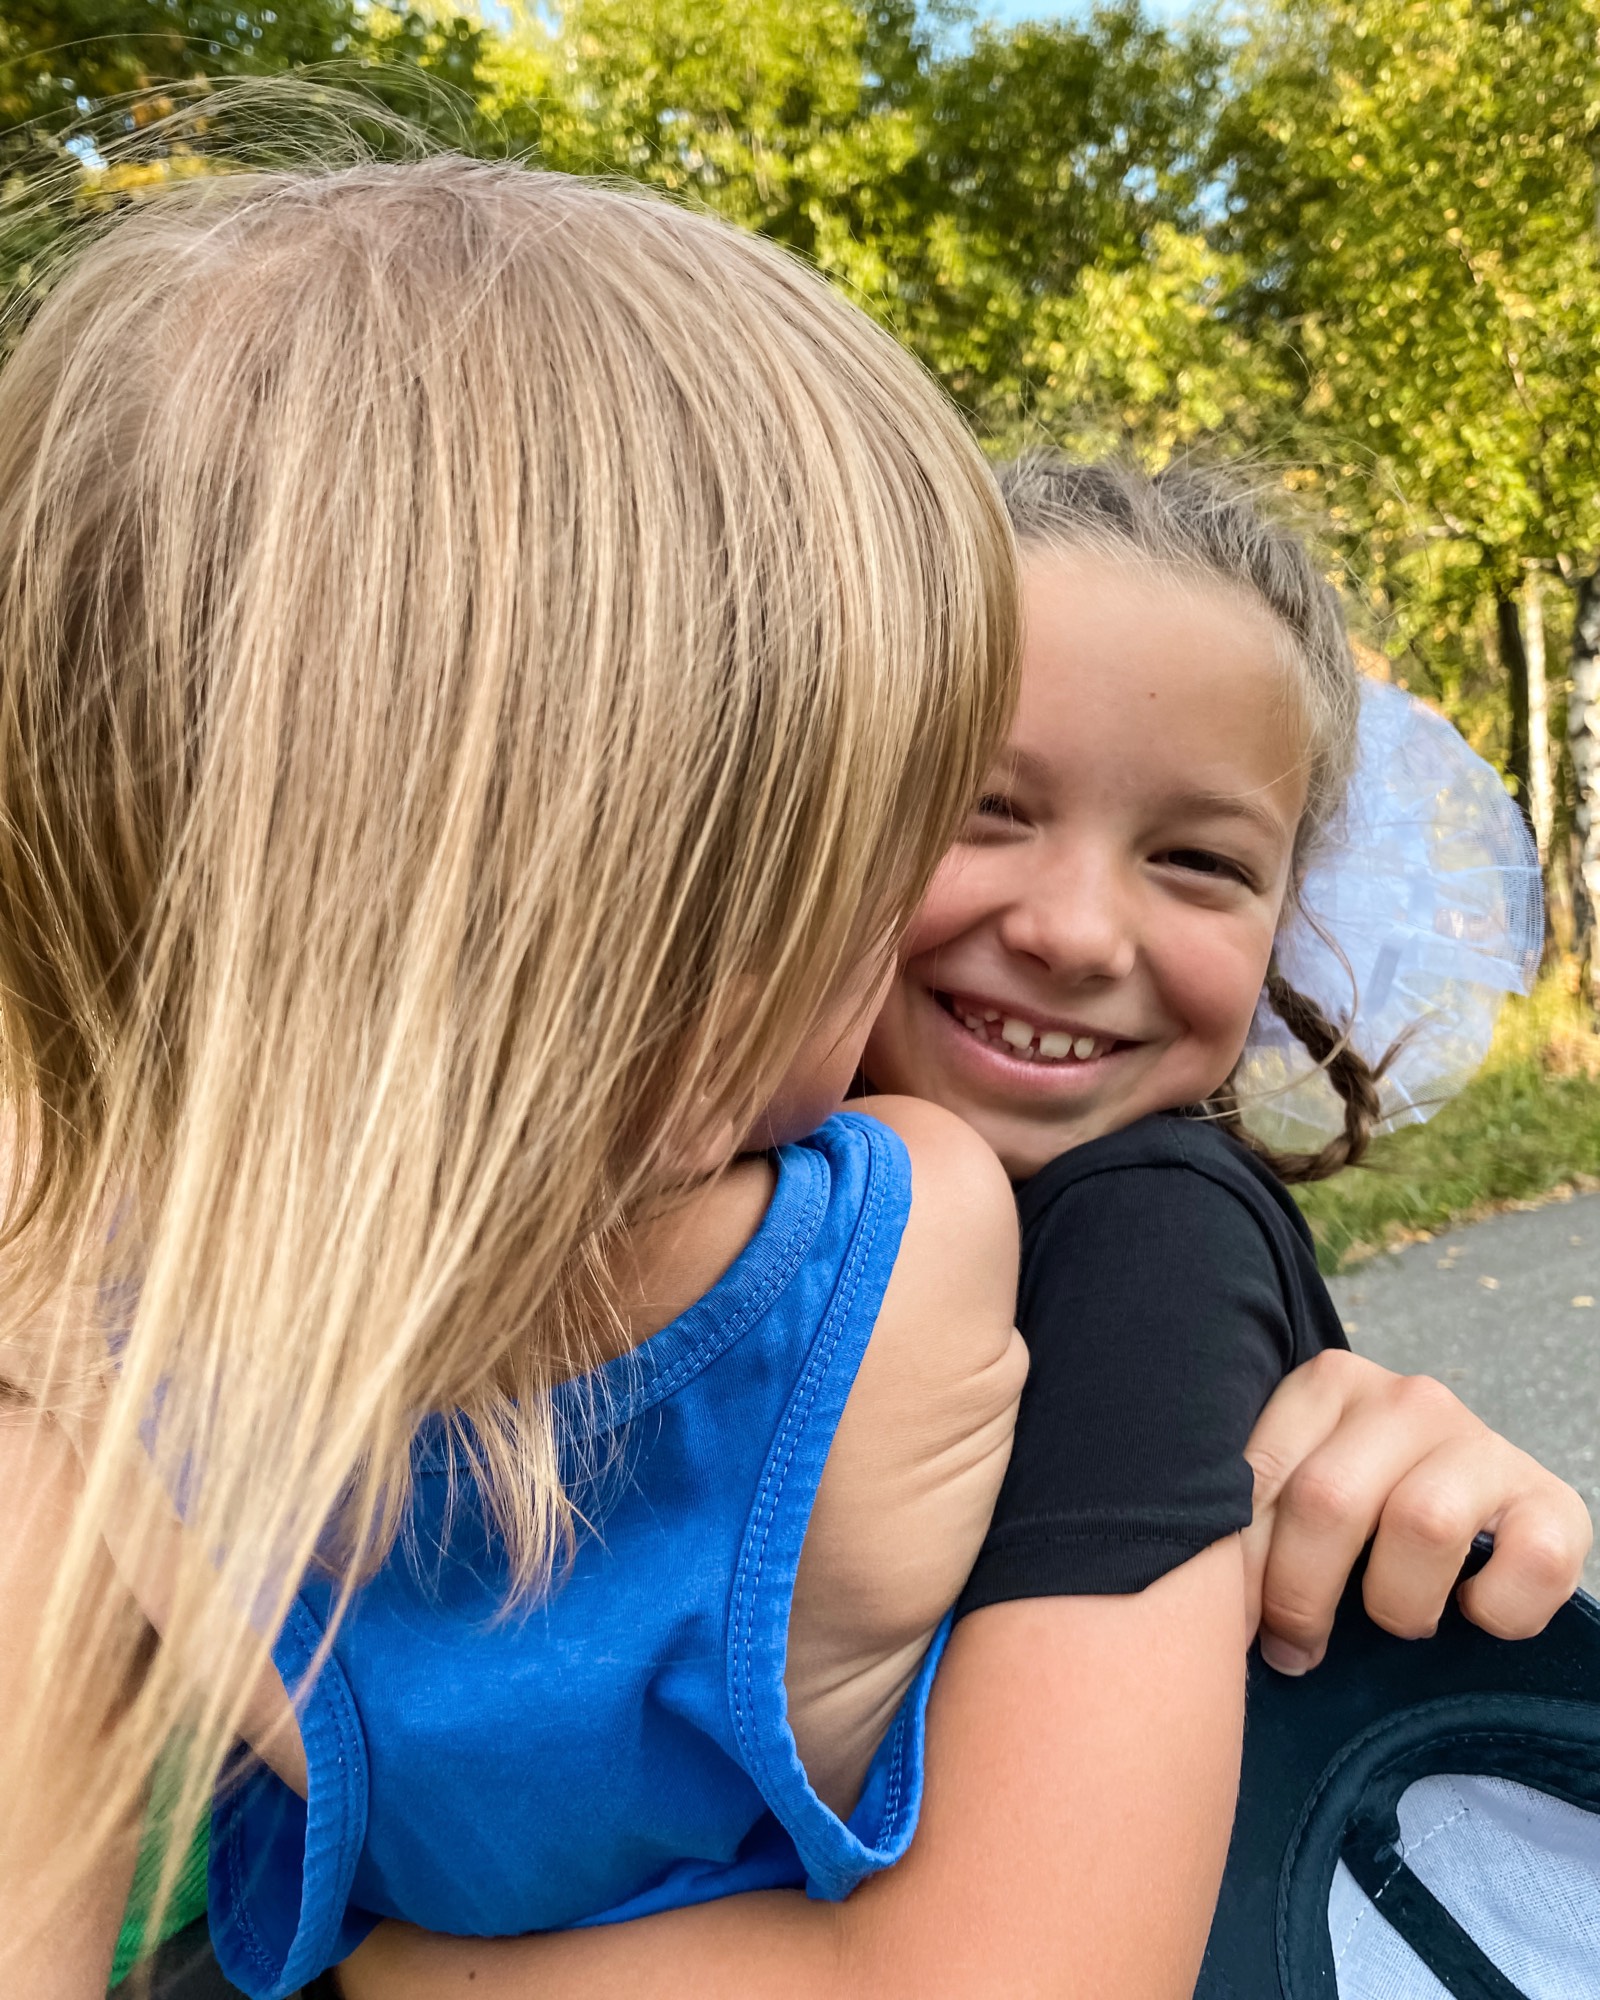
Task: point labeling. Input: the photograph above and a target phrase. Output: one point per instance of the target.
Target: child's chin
(1027, 1145)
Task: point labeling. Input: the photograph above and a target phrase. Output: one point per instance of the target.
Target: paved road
(1507, 1311)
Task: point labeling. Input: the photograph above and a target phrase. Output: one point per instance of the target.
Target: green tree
(963, 183)
(61, 58)
(801, 122)
(79, 76)
(1064, 158)
(1411, 187)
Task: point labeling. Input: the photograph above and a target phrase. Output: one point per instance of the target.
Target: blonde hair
(1203, 522)
(483, 655)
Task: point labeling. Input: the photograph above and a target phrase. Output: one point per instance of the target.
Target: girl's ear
(707, 1149)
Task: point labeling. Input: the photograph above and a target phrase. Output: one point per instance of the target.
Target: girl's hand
(1346, 1451)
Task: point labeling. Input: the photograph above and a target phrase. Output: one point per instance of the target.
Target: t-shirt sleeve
(1157, 1328)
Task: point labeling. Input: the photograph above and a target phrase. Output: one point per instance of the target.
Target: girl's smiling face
(1093, 947)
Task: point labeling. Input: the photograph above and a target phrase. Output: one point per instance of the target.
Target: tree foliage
(1357, 237)
(60, 59)
(1411, 187)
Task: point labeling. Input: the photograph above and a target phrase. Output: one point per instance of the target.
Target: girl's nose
(1076, 920)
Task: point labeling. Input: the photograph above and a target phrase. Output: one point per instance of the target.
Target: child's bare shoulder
(918, 1458)
(945, 1356)
(954, 1288)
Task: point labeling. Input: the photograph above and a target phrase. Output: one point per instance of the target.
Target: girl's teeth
(1055, 1045)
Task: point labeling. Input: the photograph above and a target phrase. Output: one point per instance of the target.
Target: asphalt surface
(1507, 1311)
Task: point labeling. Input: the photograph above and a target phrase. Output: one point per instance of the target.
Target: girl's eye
(1200, 861)
(992, 818)
(995, 806)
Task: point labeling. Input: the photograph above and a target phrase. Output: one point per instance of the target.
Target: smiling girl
(1080, 985)
(1093, 951)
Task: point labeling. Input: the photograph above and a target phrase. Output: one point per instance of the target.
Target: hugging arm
(1082, 1763)
(1163, 1410)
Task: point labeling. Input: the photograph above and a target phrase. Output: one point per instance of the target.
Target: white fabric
(1371, 1961)
(1517, 1869)
(1429, 890)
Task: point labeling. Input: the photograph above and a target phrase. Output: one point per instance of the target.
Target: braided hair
(1201, 523)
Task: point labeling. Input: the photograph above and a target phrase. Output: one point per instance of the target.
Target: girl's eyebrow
(1024, 764)
(1231, 805)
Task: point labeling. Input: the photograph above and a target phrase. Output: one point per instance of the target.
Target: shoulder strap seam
(882, 1148)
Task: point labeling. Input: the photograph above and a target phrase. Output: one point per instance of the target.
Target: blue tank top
(621, 1747)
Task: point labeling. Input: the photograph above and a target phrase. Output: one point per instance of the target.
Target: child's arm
(1346, 1451)
(1082, 1764)
(911, 1478)
(68, 1956)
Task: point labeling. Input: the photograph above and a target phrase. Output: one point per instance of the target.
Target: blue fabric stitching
(789, 1253)
(718, 1341)
(897, 1774)
(752, 1572)
(782, 1457)
(895, 1807)
(238, 1908)
(350, 1750)
(329, 1710)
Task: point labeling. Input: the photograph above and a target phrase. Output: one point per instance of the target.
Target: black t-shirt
(1169, 1284)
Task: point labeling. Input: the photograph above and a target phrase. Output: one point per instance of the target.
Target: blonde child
(489, 664)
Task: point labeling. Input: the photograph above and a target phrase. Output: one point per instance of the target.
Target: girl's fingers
(1540, 1544)
(1338, 1394)
(1303, 1412)
(1467, 1486)
(1346, 1452)
(1332, 1501)
(1427, 1527)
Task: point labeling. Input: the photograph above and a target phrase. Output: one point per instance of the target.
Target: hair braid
(1354, 1079)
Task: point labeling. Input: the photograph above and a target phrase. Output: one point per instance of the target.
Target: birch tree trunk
(1541, 781)
(1583, 733)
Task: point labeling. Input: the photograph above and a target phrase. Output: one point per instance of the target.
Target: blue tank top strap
(623, 1746)
(627, 1388)
(836, 1856)
(285, 1924)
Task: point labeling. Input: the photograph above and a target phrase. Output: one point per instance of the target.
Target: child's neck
(663, 1266)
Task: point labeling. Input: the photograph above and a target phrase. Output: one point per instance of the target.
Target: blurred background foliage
(1354, 244)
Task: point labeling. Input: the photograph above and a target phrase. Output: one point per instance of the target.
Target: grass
(1528, 1125)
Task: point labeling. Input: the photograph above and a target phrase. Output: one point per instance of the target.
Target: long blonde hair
(480, 655)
